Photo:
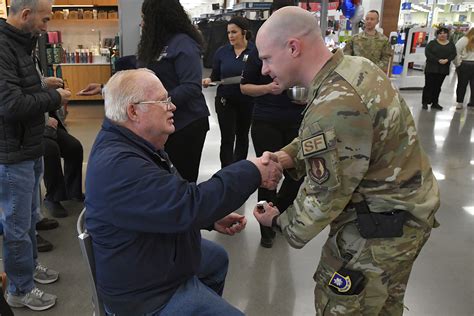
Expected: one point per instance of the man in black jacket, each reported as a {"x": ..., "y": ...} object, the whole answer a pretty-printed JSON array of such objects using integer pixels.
[{"x": 22, "y": 106}]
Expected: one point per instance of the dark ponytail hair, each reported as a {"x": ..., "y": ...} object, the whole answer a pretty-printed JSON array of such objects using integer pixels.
[
  {"x": 162, "y": 19},
  {"x": 243, "y": 24}
]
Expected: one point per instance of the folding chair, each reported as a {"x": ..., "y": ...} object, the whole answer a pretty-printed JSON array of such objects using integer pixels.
[{"x": 85, "y": 242}]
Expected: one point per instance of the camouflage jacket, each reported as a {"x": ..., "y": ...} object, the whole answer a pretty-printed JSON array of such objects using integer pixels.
[
  {"x": 375, "y": 48},
  {"x": 357, "y": 138}
]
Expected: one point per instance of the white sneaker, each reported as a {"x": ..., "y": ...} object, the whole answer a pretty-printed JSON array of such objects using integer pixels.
[
  {"x": 458, "y": 106},
  {"x": 36, "y": 300}
]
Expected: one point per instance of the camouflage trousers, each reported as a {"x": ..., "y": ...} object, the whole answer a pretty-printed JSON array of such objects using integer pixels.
[{"x": 386, "y": 264}]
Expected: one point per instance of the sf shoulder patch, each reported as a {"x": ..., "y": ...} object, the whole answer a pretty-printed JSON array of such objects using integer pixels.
[
  {"x": 340, "y": 282},
  {"x": 319, "y": 172},
  {"x": 314, "y": 144}
]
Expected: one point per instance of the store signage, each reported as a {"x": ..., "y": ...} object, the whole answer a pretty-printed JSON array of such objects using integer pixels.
[
  {"x": 406, "y": 6},
  {"x": 3, "y": 9},
  {"x": 252, "y": 6}
]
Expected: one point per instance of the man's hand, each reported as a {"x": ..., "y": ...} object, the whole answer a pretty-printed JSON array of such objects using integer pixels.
[
  {"x": 443, "y": 61},
  {"x": 266, "y": 217},
  {"x": 52, "y": 122},
  {"x": 285, "y": 160},
  {"x": 53, "y": 82},
  {"x": 91, "y": 89},
  {"x": 270, "y": 170},
  {"x": 274, "y": 88},
  {"x": 206, "y": 82},
  {"x": 231, "y": 224},
  {"x": 65, "y": 95}
]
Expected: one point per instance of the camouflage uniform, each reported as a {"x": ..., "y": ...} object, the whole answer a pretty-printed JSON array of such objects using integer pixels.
[
  {"x": 358, "y": 138},
  {"x": 375, "y": 48}
]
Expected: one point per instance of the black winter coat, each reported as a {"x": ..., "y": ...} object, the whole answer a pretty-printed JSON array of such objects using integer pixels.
[{"x": 22, "y": 100}]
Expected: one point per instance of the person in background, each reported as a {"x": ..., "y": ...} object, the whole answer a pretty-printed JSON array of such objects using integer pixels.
[
  {"x": 171, "y": 46},
  {"x": 370, "y": 43},
  {"x": 67, "y": 185},
  {"x": 59, "y": 143},
  {"x": 275, "y": 123},
  {"x": 439, "y": 54},
  {"x": 145, "y": 219},
  {"x": 23, "y": 103},
  {"x": 234, "y": 109},
  {"x": 465, "y": 68},
  {"x": 380, "y": 205}
]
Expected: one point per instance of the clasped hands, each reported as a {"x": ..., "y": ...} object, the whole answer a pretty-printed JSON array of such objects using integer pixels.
[{"x": 271, "y": 167}]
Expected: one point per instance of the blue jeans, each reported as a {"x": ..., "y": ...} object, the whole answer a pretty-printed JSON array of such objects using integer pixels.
[
  {"x": 19, "y": 200},
  {"x": 201, "y": 294}
]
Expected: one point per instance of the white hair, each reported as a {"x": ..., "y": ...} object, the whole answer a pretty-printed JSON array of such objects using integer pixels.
[{"x": 122, "y": 89}]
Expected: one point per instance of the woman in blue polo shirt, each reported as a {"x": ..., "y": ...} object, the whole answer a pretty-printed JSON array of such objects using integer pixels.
[
  {"x": 234, "y": 110},
  {"x": 171, "y": 46}
]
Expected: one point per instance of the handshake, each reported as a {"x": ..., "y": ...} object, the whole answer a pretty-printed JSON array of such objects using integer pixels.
[{"x": 270, "y": 170}]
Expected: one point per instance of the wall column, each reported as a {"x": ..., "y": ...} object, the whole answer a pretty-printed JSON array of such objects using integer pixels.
[{"x": 390, "y": 14}]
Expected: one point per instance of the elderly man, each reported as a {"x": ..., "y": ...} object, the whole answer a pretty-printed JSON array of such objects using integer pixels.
[
  {"x": 370, "y": 44},
  {"x": 145, "y": 219},
  {"x": 366, "y": 173},
  {"x": 23, "y": 103}
]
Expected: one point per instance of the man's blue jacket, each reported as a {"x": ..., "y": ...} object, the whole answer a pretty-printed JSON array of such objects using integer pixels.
[{"x": 145, "y": 220}]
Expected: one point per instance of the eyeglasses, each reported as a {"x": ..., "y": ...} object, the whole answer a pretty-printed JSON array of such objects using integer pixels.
[{"x": 167, "y": 104}]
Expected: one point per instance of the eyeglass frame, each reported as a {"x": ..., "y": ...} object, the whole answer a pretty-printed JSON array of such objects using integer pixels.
[{"x": 166, "y": 102}]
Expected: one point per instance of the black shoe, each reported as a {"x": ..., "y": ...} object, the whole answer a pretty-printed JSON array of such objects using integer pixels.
[
  {"x": 42, "y": 244},
  {"x": 424, "y": 106},
  {"x": 55, "y": 208},
  {"x": 47, "y": 224},
  {"x": 437, "y": 107},
  {"x": 79, "y": 198},
  {"x": 470, "y": 105}
]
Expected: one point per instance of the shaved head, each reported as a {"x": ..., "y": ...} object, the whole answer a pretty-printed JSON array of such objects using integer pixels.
[
  {"x": 290, "y": 22},
  {"x": 291, "y": 47}
]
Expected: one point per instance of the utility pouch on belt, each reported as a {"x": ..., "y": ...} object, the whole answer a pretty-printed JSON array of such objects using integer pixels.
[
  {"x": 379, "y": 225},
  {"x": 347, "y": 282}
]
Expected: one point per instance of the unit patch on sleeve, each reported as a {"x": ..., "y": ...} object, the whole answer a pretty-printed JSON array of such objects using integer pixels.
[
  {"x": 314, "y": 144},
  {"x": 340, "y": 282},
  {"x": 318, "y": 173}
]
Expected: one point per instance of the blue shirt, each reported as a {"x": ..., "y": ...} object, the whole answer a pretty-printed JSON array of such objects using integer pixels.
[
  {"x": 227, "y": 64},
  {"x": 269, "y": 107},
  {"x": 179, "y": 69}
]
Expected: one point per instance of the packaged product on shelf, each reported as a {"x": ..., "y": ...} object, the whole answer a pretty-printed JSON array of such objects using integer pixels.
[
  {"x": 102, "y": 14},
  {"x": 49, "y": 55},
  {"x": 73, "y": 15},
  {"x": 57, "y": 54},
  {"x": 112, "y": 15},
  {"x": 87, "y": 15},
  {"x": 58, "y": 15}
]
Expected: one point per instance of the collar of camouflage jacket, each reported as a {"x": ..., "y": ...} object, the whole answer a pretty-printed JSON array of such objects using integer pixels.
[
  {"x": 377, "y": 35},
  {"x": 321, "y": 76}
]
